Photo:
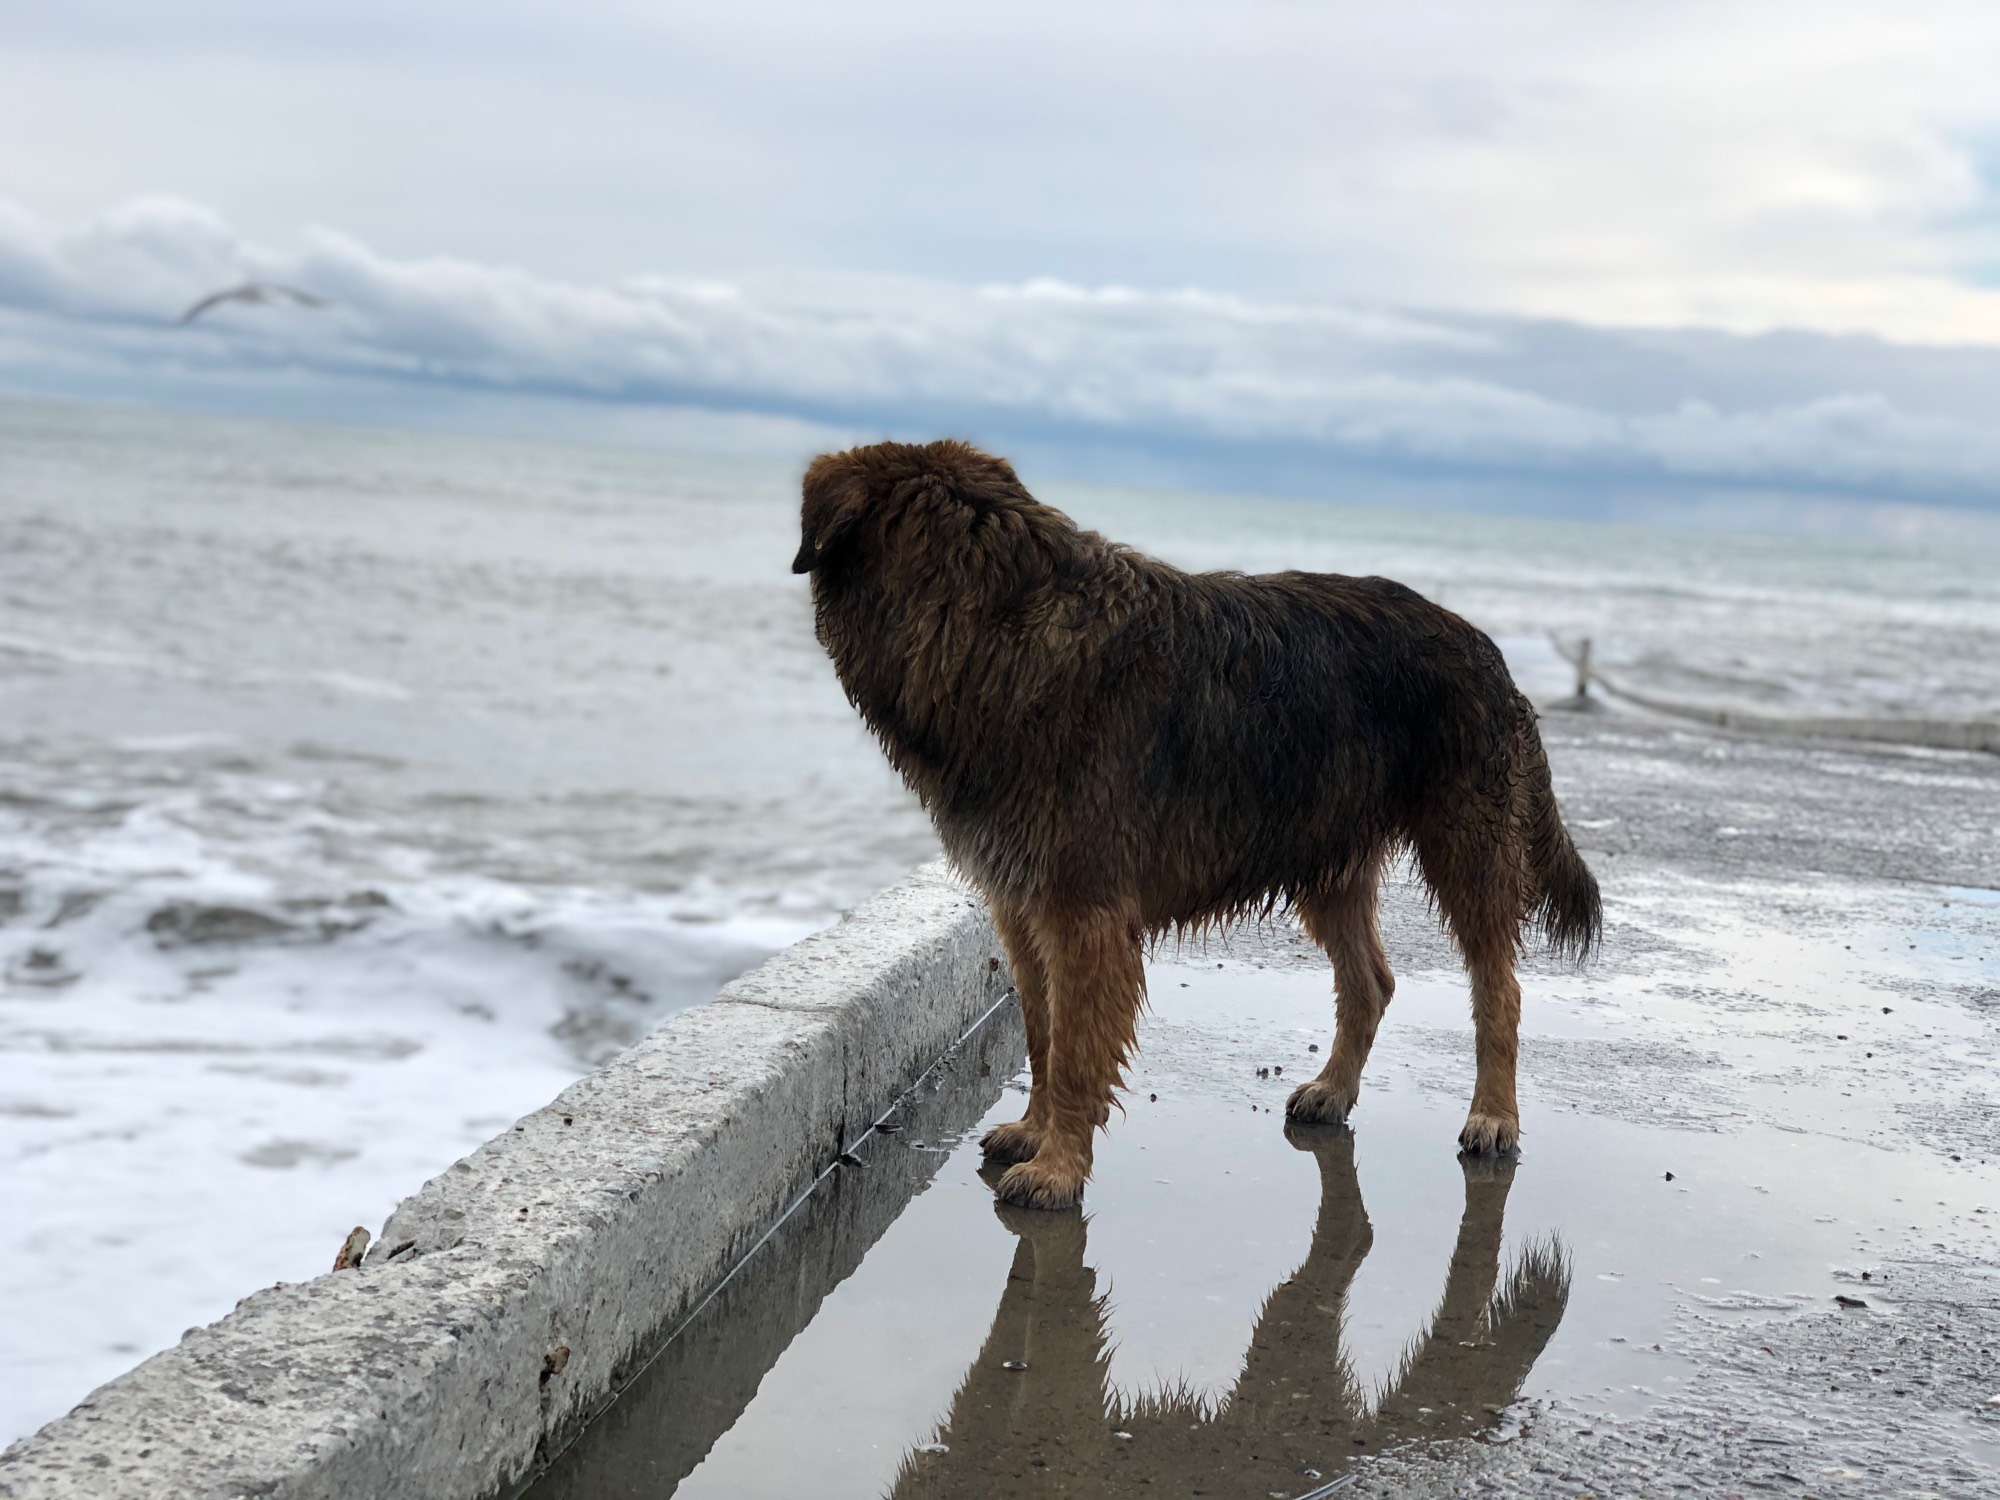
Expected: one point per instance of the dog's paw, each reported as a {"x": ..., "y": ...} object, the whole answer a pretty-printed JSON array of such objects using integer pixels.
[
  {"x": 1038, "y": 1184},
  {"x": 1489, "y": 1135},
  {"x": 1012, "y": 1142},
  {"x": 1320, "y": 1103}
]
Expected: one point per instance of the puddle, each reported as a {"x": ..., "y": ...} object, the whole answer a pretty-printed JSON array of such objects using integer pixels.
[{"x": 1249, "y": 1309}]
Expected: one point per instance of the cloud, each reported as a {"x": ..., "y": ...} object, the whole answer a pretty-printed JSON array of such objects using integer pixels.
[
  {"x": 1043, "y": 361},
  {"x": 1745, "y": 166}
]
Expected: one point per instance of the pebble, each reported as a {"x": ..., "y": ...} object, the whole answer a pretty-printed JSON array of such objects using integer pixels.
[{"x": 351, "y": 1249}]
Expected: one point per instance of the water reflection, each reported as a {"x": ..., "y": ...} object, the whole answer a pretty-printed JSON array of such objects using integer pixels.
[
  {"x": 779, "y": 1387},
  {"x": 1037, "y": 1415}
]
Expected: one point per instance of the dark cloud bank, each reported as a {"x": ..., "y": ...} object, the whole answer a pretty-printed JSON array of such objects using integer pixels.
[{"x": 1186, "y": 386}]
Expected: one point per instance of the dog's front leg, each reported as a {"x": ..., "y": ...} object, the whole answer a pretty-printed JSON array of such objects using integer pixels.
[
  {"x": 1094, "y": 967},
  {"x": 1019, "y": 1139}
]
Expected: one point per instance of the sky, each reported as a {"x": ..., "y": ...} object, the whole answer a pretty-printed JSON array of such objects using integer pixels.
[{"x": 1542, "y": 251}]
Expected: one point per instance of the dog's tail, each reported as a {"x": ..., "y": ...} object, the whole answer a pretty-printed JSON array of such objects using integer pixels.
[{"x": 1567, "y": 910}]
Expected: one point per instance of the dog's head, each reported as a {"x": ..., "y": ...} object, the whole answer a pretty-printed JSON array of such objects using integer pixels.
[{"x": 849, "y": 499}]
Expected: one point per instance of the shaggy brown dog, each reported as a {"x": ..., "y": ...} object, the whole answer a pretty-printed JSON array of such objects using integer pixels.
[{"x": 1112, "y": 748}]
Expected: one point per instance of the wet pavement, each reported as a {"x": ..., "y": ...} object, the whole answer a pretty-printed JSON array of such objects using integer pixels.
[{"x": 1751, "y": 1245}]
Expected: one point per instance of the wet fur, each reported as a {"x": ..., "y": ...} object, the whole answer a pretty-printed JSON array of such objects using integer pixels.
[{"x": 1112, "y": 748}]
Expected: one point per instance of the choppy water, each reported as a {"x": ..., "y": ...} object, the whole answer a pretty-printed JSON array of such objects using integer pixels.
[{"x": 358, "y": 789}]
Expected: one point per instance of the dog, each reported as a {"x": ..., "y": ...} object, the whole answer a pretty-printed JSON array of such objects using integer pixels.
[{"x": 1112, "y": 749}]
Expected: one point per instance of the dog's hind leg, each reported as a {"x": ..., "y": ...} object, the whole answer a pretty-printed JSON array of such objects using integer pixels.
[
  {"x": 1478, "y": 883},
  {"x": 1342, "y": 922},
  {"x": 1094, "y": 965},
  {"x": 1020, "y": 1139},
  {"x": 1493, "y": 1125}
]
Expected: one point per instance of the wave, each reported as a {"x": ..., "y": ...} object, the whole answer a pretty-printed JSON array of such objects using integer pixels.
[{"x": 234, "y": 1024}]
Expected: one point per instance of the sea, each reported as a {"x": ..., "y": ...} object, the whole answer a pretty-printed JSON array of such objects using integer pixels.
[{"x": 360, "y": 789}]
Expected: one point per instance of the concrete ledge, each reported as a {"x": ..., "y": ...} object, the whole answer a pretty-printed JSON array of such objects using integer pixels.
[
  {"x": 506, "y": 1300},
  {"x": 670, "y": 1418}
]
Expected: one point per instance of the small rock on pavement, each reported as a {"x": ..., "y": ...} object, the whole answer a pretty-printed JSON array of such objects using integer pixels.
[{"x": 351, "y": 1249}]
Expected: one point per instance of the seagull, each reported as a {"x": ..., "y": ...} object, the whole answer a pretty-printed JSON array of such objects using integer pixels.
[{"x": 258, "y": 294}]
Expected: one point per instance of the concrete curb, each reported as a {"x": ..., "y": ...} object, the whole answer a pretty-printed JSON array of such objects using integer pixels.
[
  {"x": 669, "y": 1419},
  {"x": 508, "y": 1298}
]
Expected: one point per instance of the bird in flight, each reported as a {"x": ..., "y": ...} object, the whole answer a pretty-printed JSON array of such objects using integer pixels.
[{"x": 257, "y": 294}]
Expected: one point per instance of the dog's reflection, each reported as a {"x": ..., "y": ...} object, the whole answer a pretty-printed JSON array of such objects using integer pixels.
[{"x": 1037, "y": 1414}]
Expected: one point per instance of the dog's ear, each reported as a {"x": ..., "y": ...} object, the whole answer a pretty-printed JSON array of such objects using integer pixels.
[{"x": 835, "y": 493}]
